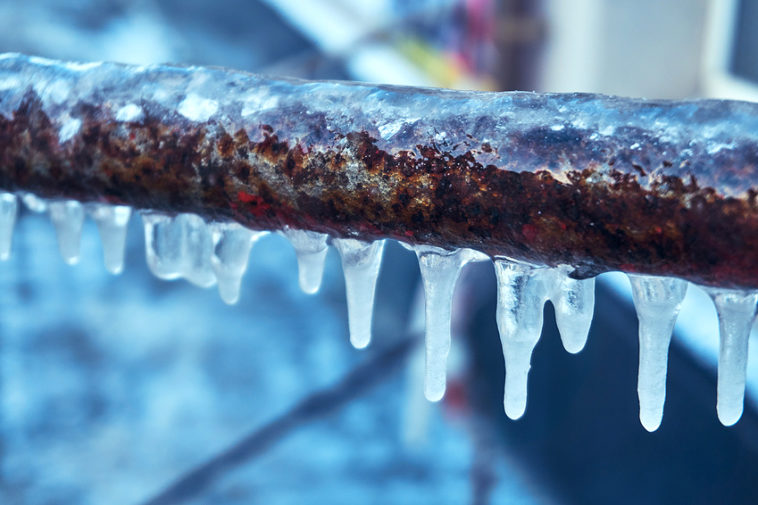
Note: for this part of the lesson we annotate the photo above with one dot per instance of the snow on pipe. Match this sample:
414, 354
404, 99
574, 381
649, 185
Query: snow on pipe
557, 188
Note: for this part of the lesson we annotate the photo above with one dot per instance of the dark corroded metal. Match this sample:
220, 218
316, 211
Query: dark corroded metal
596, 182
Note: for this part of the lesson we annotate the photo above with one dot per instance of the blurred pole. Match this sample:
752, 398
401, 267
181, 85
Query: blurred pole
519, 41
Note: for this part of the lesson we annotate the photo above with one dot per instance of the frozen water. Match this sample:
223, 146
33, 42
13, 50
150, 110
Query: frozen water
112, 221
33, 202
68, 217
163, 245
440, 269
360, 264
186, 246
179, 246
8, 212
197, 250
574, 302
522, 291
736, 312
310, 248
657, 300
231, 253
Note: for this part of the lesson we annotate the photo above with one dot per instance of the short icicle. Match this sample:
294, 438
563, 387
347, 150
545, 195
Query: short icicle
521, 295
360, 264
179, 246
197, 250
231, 253
112, 221
736, 312
163, 245
657, 300
440, 270
574, 303
33, 202
310, 248
8, 212
68, 217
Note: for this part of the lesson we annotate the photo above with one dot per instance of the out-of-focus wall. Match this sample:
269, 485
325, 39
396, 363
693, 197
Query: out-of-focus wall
647, 48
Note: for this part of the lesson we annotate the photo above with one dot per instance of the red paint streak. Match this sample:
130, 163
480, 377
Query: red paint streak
627, 267
255, 204
529, 231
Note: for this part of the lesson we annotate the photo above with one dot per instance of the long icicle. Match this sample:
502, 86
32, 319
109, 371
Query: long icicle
657, 301
440, 270
521, 294
736, 312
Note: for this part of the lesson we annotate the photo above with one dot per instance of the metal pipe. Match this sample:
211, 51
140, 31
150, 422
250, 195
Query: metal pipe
596, 182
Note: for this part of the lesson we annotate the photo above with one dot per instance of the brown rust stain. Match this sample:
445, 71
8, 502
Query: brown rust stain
599, 211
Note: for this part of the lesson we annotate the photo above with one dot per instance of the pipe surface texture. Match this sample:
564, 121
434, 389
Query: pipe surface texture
595, 182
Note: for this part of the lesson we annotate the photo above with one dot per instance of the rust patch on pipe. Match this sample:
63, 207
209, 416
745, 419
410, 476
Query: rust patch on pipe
562, 196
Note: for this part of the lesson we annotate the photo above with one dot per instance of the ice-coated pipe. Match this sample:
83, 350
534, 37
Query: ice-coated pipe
595, 182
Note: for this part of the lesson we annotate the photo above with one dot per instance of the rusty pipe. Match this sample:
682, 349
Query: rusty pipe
595, 182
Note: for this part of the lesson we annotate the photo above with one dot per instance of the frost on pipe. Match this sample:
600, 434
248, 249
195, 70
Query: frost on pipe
558, 188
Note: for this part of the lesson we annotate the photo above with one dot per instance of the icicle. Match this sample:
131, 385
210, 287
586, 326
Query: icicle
736, 311
197, 249
440, 269
68, 217
522, 293
574, 303
179, 246
8, 212
360, 264
231, 252
311, 249
112, 221
163, 245
657, 300
33, 202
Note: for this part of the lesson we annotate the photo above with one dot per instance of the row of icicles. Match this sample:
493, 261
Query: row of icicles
186, 246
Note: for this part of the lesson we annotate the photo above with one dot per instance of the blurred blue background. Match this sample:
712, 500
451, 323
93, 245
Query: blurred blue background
130, 390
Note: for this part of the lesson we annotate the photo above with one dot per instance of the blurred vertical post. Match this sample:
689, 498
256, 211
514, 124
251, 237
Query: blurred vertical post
519, 34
